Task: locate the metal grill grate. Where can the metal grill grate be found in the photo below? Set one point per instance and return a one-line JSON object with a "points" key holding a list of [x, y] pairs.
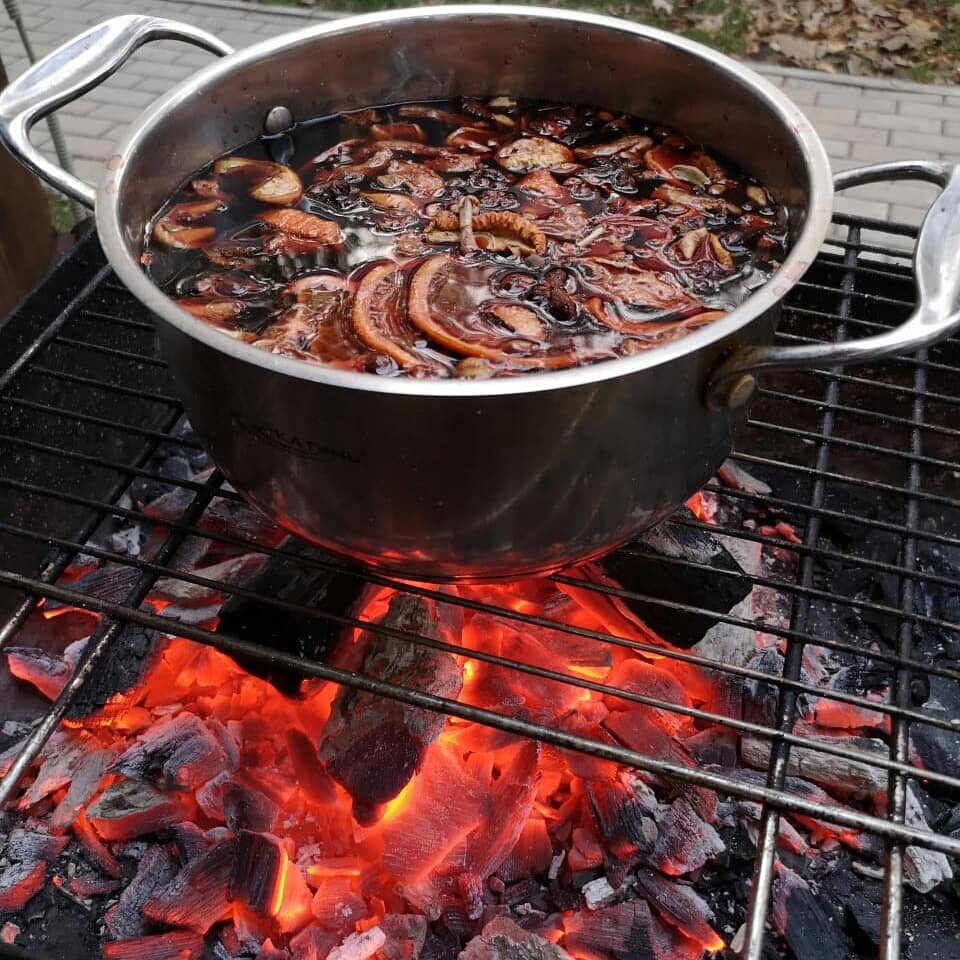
{"points": [[87, 403]]}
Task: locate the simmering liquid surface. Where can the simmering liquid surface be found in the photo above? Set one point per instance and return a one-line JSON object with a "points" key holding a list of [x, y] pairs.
{"points": [[467, 238]]}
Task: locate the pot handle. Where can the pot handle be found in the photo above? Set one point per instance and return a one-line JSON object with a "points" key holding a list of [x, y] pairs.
{"points": [[69, 72], [937, 278]]}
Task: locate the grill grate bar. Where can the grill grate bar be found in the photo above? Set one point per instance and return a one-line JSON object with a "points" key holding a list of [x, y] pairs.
{"points": [[765, 865], [624, 642], [96, 649], [102, 422], [887, 418], [581, 682], [131, 355], [105, 386], [891, 919], [232, 645]]}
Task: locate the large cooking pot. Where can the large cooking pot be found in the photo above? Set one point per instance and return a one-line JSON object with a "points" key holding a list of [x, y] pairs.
{"points": [[485, 479]]}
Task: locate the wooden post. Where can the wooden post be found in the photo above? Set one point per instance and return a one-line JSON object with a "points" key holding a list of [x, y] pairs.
{"points": [[27, 237]]}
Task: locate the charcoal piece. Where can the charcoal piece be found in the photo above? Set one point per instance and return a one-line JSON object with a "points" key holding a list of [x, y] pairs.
{"points": [[83, 787], [502, 939], [311, 943], [714, 747], [626, 817], [939, 749], [530, 856], [372, 745], [62, 757], [720, 588], [130, 658], [680, 906], [864, 919], [233, 570], [196, 898], [313, 777], [191, 841], [685, 842], [359, 946], [245, 808], [175, 945], [125, 920], [28, 851], [179, 752], [440, 944], [639, 734], [257, 877], [131, 808], [289, 631], [406, 934], [337, 905], [622, 931], [112, 582], [804, 920], [48, 672]]}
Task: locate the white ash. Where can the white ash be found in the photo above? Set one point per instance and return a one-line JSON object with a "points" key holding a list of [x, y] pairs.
{"points": [[359, 946], [923, 869], [598, 893]]}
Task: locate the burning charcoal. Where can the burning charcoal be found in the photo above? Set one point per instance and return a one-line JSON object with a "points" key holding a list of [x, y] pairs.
{"points": [[196, 898], [28, 851], [803, 919], [175, 945], [720, 588], [131, 808], [648, 680], [311, 943], [637, 733], [245, 808], [508, 806], [732, 475], [112, 582], [685, 842], [405, 935], [626, 816], [83, 787], [502, 939], [670, 944], [46, 671], [9, 932], [530, 856], [714, 747], [372, 746], [62, 757], [131, 657], [88, 885], [622, 931], [258, 872], [235, 570], [283, 629], [681, 907], [359, 946], [313, 777], [125, 919], [842, 777], [93, 847], [180, 751], [585, 852], [337, 905], [190, 840]]}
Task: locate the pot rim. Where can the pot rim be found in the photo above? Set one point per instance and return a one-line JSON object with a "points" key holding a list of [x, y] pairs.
{"points": [[804, 250]]}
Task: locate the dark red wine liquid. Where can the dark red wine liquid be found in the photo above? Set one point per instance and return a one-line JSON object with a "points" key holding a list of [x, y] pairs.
{"points": [[590, 235]]}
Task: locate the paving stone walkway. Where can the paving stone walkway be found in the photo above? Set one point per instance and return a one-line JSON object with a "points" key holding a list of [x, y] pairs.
{"points": [[861, 120]]}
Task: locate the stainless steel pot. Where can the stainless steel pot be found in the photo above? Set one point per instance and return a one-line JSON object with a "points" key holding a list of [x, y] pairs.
{"points": [[480, 480]]}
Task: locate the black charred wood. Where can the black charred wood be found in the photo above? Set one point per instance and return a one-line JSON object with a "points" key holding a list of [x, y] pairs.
{"points": [[131, 657], [125, 920], [372, 745], [805, 920], [289, 631], [257, 871], [718, 589], [245, 808]]}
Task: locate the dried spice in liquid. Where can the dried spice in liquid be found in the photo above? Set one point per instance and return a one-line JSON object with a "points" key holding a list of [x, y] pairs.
{"points": [[466, 238]]}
